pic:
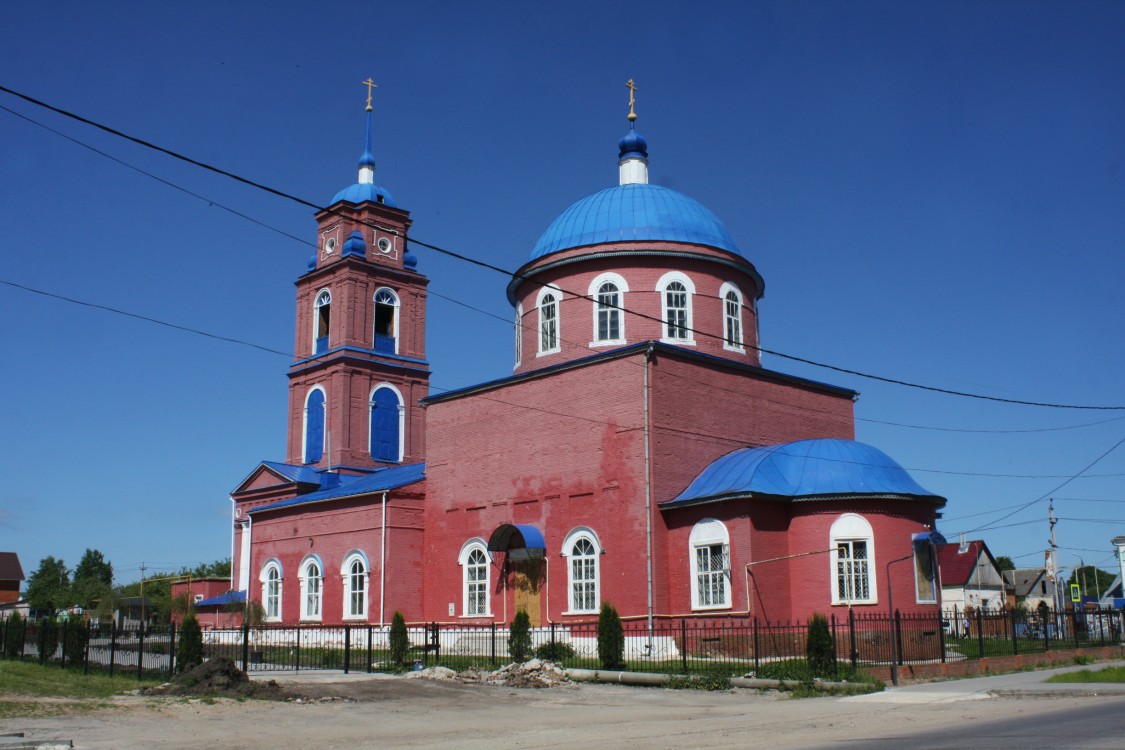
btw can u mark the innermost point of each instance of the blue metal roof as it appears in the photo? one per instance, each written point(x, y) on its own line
point(802, 470)
point(631, 213)
point(230, 597)
point(360, 192)
point(343, 485)
point(294, 473)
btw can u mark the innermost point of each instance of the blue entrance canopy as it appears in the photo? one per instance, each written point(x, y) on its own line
point(518, 541)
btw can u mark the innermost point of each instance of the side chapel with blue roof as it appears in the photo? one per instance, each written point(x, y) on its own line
point(639, 454)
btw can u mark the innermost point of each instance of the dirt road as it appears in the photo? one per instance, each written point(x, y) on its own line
point(400, 713)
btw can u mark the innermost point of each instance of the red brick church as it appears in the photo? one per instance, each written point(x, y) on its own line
point(639, 454)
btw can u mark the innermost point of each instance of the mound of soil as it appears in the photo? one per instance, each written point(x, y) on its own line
point(219, 677)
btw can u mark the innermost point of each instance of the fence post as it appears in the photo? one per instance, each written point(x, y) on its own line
point(1101, 627)
point(1015, 638)
point(297, 654)
point(245, 645)
point(172, 647)
point(65, 631)
point(835, 648)
point(756, 661)
point(941, 633)
point(1046, 624)
point(140, 651)
point(1074, 622)
point(347, 648)
point(683, 644)
point(896, 627)
point(851, 632)
point(112, 648)
point(370, 656)
point(86, 654)
point(980, 633)
point(492, 650)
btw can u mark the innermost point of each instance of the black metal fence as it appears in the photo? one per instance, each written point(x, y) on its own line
point(683, 646)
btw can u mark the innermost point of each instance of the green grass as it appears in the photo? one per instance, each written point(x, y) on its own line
point(19, 678)
point(1109, 674)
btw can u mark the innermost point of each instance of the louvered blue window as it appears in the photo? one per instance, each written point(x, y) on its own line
point(314, 426)
point(322, 317)
point(386, 322)
point(386, 425)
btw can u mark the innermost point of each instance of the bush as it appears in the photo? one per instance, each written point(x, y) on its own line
point(400, 642)
point(47, 640)
point(74, 643)
point(820, 649)
point(519, 637)
point(14, 631)
point(555, 651)
point(189, 651)
point(611, 639)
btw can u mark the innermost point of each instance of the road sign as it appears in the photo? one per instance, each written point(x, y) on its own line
point(1075, 592)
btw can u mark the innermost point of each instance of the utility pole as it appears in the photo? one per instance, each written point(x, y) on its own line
point(1052, 573)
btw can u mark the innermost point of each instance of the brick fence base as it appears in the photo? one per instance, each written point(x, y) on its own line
point(995, 664)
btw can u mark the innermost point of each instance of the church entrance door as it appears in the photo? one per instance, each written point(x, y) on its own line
point(527, 579)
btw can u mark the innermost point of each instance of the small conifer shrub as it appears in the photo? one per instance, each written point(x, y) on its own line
point(189, 651)
point(400, 641)
point(820, 650)
point(611, 638)
point(519, 637)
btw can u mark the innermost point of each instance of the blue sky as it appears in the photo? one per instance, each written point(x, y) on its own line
point(932, 191)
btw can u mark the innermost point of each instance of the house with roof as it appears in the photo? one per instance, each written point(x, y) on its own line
point(11, 577)
point(970, 577)
point(639, 454)
point(212, 600)
point(1028, 588)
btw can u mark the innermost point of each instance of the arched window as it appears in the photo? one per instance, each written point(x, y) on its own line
point(388, 418)
point(853, 560)
point(709, 548)
point(519, 334)
point(548, 305)
point(732, 317)
point(676, 291)
point(386, 322)
point(314, 425)
point(474, 575)
point(354, 574)
point(270, 579)
point(311, 580)
point(582, 550)
point(608, 292)
point(322, 318)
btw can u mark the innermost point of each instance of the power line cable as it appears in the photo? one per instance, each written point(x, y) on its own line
point(516, 275)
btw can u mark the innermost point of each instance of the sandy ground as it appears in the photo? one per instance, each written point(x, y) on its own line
point(401, 713)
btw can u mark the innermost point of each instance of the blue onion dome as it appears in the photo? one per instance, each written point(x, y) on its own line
point(409, 261)
point(632, 145)
point(634, 213)
point(361, 192)
point(312, 261)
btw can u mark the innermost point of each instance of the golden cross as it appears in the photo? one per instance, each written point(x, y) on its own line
point(632, 99)
point(370, 85)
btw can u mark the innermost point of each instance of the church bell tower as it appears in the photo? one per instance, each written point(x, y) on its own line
point(360, 353)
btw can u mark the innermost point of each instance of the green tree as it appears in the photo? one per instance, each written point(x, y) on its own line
point(15, 630)
point(48, 588)
point(189, 651)
point(93, 579)
point(611, 639)
point(1094, 581)
point(1005, 563)
point(519, 637)
point(819, 649)
point(400, 642)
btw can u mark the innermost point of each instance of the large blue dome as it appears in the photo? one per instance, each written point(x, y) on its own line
point(360, 192)
point(803, 470)
point(632, 213)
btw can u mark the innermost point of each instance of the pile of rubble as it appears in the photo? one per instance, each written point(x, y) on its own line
point(529, 674)
point(218, 677)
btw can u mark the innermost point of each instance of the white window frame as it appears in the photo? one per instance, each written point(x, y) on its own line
point(689, 316)
point(577, 535)
point(739, 343)
point(933, 573)
point(467, 550)
point(305, 425)
point(556, 294)
point(322, 298)
point(347, 578)
point(847, 530)
point(518, 327)
point(401, 418)
point(374, 308)
point(594, 293)
point(271, 565)
point(706, 535)
point(314, 613)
